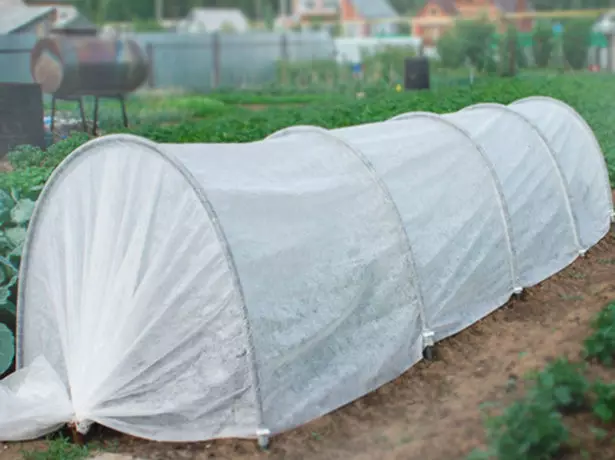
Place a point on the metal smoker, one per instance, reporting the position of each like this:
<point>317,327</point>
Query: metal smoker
<point>73,67</point>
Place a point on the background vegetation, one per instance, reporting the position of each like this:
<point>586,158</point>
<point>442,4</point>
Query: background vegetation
<point>120,10</point>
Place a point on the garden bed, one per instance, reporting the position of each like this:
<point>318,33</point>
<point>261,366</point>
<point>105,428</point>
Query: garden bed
<point>433,410</point>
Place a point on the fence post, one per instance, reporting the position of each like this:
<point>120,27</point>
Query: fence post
<point>609,54</point>
<point>216,59</point>
<point>149,49</point>
<point>284,56</point>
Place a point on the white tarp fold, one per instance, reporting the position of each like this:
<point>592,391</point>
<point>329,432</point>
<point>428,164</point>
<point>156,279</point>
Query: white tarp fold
<point>33,403</point>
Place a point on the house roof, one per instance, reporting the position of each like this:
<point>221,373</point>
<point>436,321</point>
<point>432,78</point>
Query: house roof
<point>374,9</point>
<point>49,2</point>
<point>507,6</point>
<point>214,18</point>
<point>70,17</point>
<point>16,14</point>
<point>448,6</point>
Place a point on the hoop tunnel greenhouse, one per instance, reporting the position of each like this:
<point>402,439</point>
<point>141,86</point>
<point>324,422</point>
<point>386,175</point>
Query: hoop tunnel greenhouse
<point>196,291</point>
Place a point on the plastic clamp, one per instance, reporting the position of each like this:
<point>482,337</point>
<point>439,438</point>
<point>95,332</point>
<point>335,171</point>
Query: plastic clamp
<point>262,437</point>
<point>428,339</point>
<point>518,291</point>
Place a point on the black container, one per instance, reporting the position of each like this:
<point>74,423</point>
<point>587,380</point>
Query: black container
<point>21,116</point>
<point>67,65</point>
<point>416,73</point>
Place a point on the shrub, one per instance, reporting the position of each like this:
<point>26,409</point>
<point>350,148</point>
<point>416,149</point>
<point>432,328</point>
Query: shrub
<point>562,382</point>
<point>511,54</point>
<point>477,43</point>
<point>543,46</point>
<point>530,428</point>
<point>600,344</point>
<point>604,405</point>
<point>15,213</point>
<point>575,42</point>
<point>388,62</point>
<point>451,50</point>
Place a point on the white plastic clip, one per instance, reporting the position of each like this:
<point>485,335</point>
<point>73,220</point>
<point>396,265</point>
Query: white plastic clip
<point>428,339</point>
<point>82,426</point>
<point>582,252</point>
<point>262,436</point>
<point>518,291</point>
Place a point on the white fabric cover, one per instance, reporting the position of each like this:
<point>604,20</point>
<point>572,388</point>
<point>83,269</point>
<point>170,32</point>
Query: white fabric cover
<point>457,232</point>
<point>189,292</point>
<point>580,159</point>
<point>533,188</point>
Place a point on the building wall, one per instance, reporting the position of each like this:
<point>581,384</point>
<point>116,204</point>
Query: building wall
<point>432,21</point>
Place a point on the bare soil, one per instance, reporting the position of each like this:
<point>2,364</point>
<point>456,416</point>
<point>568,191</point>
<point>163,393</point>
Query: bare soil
<point>5,165</point>
<point>432,411</point>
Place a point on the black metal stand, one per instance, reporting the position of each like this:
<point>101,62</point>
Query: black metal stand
<point>119,97</point>
<point>77,99</point>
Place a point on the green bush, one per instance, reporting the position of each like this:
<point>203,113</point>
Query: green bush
<point>528,429</point>
<point>451,50</point>
<point>564,384</point>
<point>469,41</point>
<point>604,405</point>
<point>600,345</point>
<point>27,156</point>
<point>511,54</point>
<point>576,41</point>
<point>387,63</point>
<point>477,43</point>
<point>15,212</point>
<point>543,46</point>
<point>306,73</point>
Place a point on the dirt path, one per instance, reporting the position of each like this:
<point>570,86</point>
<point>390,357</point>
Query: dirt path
<point>432,411</point>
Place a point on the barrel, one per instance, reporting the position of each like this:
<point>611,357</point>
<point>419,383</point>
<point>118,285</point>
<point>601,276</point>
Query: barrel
<point>416,73</point>
<point>66,65</point>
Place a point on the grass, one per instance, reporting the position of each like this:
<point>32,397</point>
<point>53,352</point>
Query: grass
<point>62,448</point>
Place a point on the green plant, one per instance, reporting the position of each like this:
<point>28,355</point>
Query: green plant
<point>15,213</point>
<point>61,448</point>
<point>451,50</point>
<point>388,62</point>
<point>542,44</point>
<point>26,155</point>
<point>576,41</point>
<point>600,344</point>
<point>511,55</point>
<point>476,37</point>
<point>7,349</point>
<point>604,405</point>
<point>562,382</point>
<point>528,429</point>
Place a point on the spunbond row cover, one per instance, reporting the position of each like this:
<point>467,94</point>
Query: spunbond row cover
<point>196,291</point>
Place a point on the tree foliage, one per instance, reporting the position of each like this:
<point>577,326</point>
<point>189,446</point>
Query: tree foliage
<point>542,44</point>
<point>122,10</point>
<point>575,41</point>
<point>468,41</point>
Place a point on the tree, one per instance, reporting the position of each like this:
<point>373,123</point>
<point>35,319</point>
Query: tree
<point>542,38</point>
<point>575,42</point>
